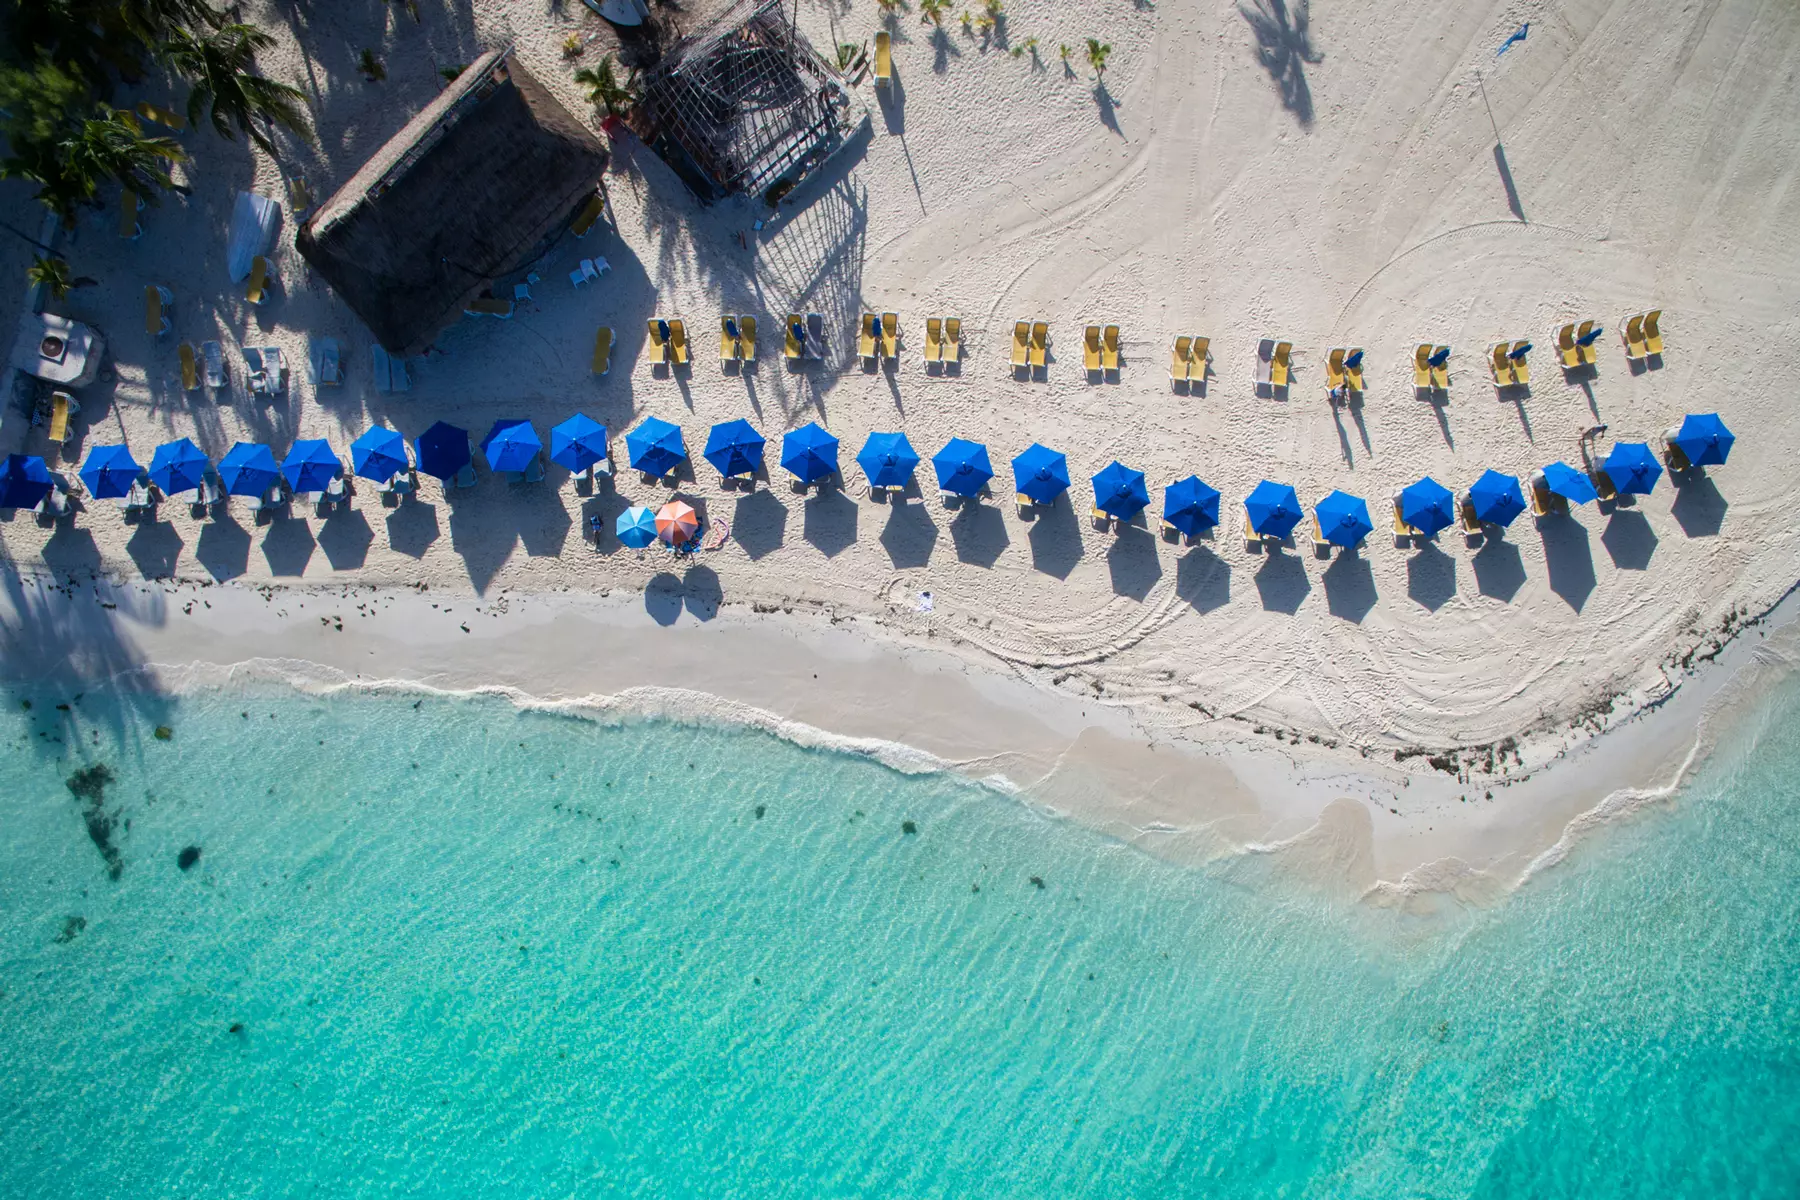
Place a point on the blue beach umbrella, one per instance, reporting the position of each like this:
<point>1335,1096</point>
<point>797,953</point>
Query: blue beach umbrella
<point>109,472</point>
<point>888,459</point>
<point>248,469</point>
<point>1343,519</point>
<point>656,447</point>
<point>809,453</point>
<point>1704,439</point>
<point>1427,506</point>
<point>443,450</point>
<point>1633,468</point>
<point>1569,483</point>
<point>378,454</point>
<point>177,466</point>
<point>1496,498</point>
<point>1119,491</point>
<point>1041,473</point>
<point>24,481</point>
<point>734,447</point>
<point>578,443</point>
<point>310,465</point>
<point>962,467</point>
<point>1274,509</point>
<point>511,445</point>
<point>1190,505</point>
<point>636,527</point>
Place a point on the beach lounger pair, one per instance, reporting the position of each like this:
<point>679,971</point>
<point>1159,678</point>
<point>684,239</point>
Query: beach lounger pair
<point>130,205</point>
<point>1030,345</point>
<point>1273,369</point>
<point>1643,335</point>
<point>1187,363</point>
<point>156,302</point>
<point>804,338</point>
<point>1507,363</point>
<point>879,338</point>
<point>1343,369</point>
<point>668,341</point>
<point>1431,368</point>
<point>1575,345</point>
<point>737,338</point>
<point>943,339</point>
<point>1100,349</point>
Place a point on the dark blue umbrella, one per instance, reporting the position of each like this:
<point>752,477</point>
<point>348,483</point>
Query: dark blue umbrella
<point>636,527</point>
<point>311,465</point>
<point>1119,491</point>
<point>1569,483</point>
<point>1704,439</point>
<point>378,454</point>
<point>1496,498</point>
<point>24,481</point>
<point>443,450</point>
<point>109,472</point>
<point>888,459</point>
<point>1590,337</point>
<point>1343,519</point>
<point>1274,509</point>
<point>962,467</point>
<point>1633,468</point>
<point>177,466</point>
<point>578,443</point>
<point>511,445</point>
<point>1427,506</point>
<point>1190,506</point>
<point>1041,474</point>
<point>809,453</point>
<point>248,469</point>
<point>734,447</point>
<point>656,447</point>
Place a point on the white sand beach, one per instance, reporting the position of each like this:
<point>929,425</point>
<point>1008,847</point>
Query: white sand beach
<point>1242,174</point>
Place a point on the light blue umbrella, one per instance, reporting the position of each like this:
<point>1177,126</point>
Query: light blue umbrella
<point>1569,483</point>
<point>177,466</point>
<point>578,443</point>
<point>311,465</point>
<point>734,448</point>
<point>24,481</point>
<point>1427,506</point>
<point>1041,473</point>
<point>1274,509</point>
<point>809,453</point>
<point>109,472</point>
<point>443,450</point>
<point>888,459</point>
<point>378,454</point>
<point>511,445</point>
<point>656,447</point>
<point>1190,505</point>
<point>1343,519</point>
<point>962,467</point>
<point>1704,439</point>
<point>248,469</point>
<point>1496,498</point>
<point>636,527</point>
<point>1119,491</point>
<point>1633,468</point>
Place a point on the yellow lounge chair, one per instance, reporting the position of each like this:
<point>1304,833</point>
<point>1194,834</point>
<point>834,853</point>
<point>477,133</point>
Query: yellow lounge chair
<point>1633,334</point>
<point>678,342</point>
<point>1501,365</point>
<point>1440,375</point>
<point>1653,343</point>
<point>1181,358</point>
<point>130,205</point>
<point>590,212</point>
<point>1674,457</point>
<point>659,349</point>
<point>1604,488</point>
<point>1566,349</point>
<point>1521,369</point>
<point>952,339</point>
<point>161,115</point>
<point>1102,518</point>
<point>794,345</point>
<point>1319,540</point>
<point>1251,537</point>
<point>1353,376</point>
<point>1465,511</point>
<point>1197,359</point>
<point>1024,502</point>
<point>728,340</point>
<point>1589,355</point>
<point>1109,347</point>
<point>934,339</point>
<point>62,407</point>
<point>868,335</point>
<point>1422,366</point>
<point>1334,368</point>
<point>258,290</point>
<point>884,59</point>
<point>190,370</point>
<point>156,323</point>
<point>1278,368</point>
<point>747,338</point>
<point>490,306</point>
<point>1090,347</point>
<point>603,350</point>
<point>299,197</point>
<point>890,335</point>
<point>1401,528</point>
<point>1040,343</point>
<point>1021,351</point>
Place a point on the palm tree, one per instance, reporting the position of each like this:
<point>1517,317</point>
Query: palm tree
<point>70,167</point>
<point>605,90</point>
<point>52,274</point>
<point>1097,51</point>
<point>218,66</point>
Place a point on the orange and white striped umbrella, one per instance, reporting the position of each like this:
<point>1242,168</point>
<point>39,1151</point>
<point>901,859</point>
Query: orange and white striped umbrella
<point>676,522</point>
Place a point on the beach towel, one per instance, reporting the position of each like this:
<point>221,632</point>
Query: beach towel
<point>716,535</point>
<point>1518,36</point>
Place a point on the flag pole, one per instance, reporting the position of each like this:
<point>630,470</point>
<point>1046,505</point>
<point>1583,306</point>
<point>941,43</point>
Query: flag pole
<point>1482,84</point>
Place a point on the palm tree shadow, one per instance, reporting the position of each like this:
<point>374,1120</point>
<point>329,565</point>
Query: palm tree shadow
<point>1284,48</point>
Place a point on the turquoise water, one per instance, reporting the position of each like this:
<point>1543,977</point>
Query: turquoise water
<point>469,951</point>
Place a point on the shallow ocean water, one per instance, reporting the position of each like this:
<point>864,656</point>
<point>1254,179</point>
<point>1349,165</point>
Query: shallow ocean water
<point>444,947</point>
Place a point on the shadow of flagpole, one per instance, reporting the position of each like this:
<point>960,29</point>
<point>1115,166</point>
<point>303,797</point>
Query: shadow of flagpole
<point>1506,179</point>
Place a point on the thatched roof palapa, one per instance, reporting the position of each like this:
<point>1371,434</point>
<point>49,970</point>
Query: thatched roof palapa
<point>461,197</point>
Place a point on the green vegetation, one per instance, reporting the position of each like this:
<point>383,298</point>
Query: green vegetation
<point>605,89</point>
<point>217,68</point>
<point>931,12</point>
<point>1097,52</point>
<point>52,274</point>
<point>371,66</point>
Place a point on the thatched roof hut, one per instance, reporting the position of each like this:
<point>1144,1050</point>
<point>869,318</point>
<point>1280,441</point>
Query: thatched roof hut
<point>462,197</point>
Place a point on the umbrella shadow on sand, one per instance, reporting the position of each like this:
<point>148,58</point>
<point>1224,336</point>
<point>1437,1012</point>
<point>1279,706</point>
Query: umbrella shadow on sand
<point>663,597</point>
